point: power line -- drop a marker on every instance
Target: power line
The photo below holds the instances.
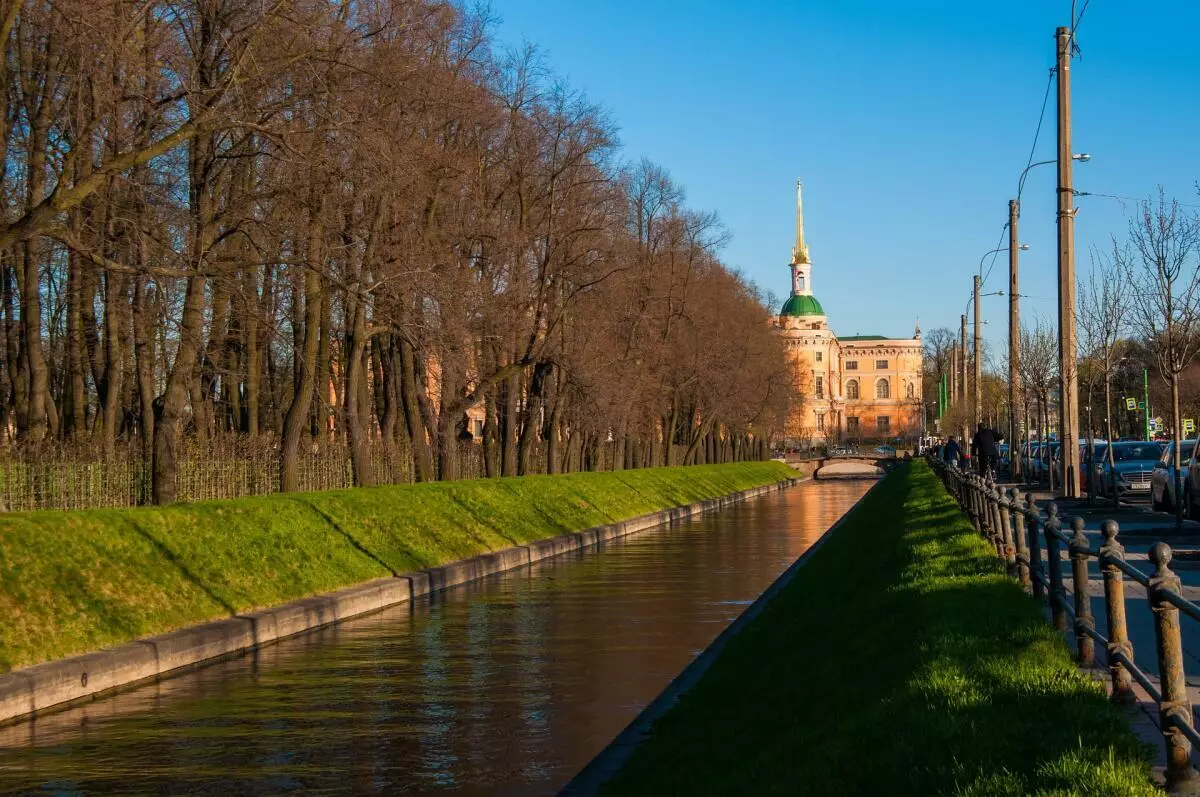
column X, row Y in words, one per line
column 1120, row 198
column 1037, row 133
column 1075, row 22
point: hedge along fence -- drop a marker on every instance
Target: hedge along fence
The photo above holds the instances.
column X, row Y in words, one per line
column 79, row 581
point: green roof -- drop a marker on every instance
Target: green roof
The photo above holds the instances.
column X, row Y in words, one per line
column 798, row 305
column 852, row 338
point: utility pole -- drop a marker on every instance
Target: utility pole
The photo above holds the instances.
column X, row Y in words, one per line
column 1069, row 381
column 962, row 363
column 952, row 382
column 1146, row 402
column 1014, row 345
column 977, row 403
column 962, row 375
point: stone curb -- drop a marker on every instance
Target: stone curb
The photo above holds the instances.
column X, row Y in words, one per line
column 58, row 684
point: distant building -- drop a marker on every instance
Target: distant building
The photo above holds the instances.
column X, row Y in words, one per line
column 859, row 387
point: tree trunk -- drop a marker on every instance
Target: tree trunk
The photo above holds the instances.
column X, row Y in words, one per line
column 409, row 390
column 354, row 349
column 508, row 425
column 143, row 357
column 174, row 401
column 115, row 296
column 296, row 418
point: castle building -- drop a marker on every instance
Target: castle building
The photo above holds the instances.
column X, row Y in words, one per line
column 864, row 387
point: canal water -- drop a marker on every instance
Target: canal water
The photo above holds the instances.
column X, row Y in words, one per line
column 506, row 686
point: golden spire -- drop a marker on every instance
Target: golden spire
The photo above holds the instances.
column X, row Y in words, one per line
column 800, row 250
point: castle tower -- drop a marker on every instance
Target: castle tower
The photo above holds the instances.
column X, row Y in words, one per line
column 801, row 303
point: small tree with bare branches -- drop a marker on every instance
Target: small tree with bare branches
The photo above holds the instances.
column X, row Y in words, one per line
column 1159, row 261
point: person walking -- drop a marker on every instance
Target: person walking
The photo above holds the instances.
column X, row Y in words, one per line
column 951, row 453
column 986, row 447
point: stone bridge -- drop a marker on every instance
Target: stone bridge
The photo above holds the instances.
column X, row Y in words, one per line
column 818, row 463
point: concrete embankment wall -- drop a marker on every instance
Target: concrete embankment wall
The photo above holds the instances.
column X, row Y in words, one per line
column 27, row 691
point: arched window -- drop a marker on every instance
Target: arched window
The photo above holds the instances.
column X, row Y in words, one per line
column 800, row 281
column 908, row 391
column 881, row 389
column 852, row 389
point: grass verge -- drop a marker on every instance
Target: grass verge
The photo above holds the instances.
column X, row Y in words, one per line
column 71, row 582
column 900, row 660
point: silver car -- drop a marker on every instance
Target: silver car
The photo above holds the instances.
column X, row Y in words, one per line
column 1162, row 481
column 1134, row 464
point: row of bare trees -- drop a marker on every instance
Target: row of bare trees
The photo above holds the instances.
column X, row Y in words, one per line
column 306, row 221
column 1138, row 308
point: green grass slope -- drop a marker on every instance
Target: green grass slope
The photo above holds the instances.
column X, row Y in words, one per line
column 902, row 661
column 71, row 582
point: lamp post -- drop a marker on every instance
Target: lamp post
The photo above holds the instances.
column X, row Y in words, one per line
column 1012, row 248
column 1069, row 390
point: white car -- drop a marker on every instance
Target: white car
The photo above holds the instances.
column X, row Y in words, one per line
column 1162, row 480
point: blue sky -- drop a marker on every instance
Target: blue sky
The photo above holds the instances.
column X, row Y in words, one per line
column 909, row 124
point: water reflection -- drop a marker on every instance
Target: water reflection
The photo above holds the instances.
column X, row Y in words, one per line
column 505, row 686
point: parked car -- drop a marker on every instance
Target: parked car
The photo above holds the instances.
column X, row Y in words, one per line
column 1028, row 455
column 885, row 451
column 1134, row 464
column 1089, row 459
column 1046, row 458
column 1191, row 483
column 1162, row 481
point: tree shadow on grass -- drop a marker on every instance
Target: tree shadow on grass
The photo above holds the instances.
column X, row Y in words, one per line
column 350, row 538
column 177, row 562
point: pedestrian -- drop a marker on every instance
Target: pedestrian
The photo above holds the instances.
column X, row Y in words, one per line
column 951, row 453
column 986, row 447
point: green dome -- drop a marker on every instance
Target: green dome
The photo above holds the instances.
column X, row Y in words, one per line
column 802, row 305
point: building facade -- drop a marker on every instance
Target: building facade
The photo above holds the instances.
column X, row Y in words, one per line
column 864, row 387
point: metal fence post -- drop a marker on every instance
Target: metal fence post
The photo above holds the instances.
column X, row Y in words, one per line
column 995, row 499
column 973, row 503
column 1058, row 595
column 1084, row 621
column 1034, row 542
column 1016, row 517
column 1114, row 604
column 1006, row 530
column 1175, row 706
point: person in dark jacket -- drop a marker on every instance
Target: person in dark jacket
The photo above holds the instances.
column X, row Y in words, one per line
column 951, row 453
column 985, row 447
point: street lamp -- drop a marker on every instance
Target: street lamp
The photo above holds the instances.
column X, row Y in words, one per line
column 978, row 396
column 1082, row 157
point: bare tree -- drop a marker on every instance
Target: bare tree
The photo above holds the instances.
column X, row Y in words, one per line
column 1160, row 264
column 1101, row 318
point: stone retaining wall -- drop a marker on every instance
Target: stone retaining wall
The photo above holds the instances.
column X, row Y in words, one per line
column 27, row 692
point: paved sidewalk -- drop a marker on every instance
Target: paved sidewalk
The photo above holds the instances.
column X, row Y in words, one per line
column 1140, row 528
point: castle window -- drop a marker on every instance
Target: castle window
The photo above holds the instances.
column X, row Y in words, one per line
column 908, row 391
column 800, row 282
column 881, row 365
column 820, row 356
column 882, row 390
column 821, row 422
column 883, row 424
column 852, row 424
column 820, row 387
column 852, row 389
column 852, row 365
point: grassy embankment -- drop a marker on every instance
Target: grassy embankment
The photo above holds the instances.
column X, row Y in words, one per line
column 902, row 661
column 71, row 582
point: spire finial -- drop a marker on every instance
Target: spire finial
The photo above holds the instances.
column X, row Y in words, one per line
column 800, row 250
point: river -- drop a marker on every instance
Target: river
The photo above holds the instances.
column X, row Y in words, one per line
column 506, row 686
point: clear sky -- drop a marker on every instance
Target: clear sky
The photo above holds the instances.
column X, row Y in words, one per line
column 909, row 124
